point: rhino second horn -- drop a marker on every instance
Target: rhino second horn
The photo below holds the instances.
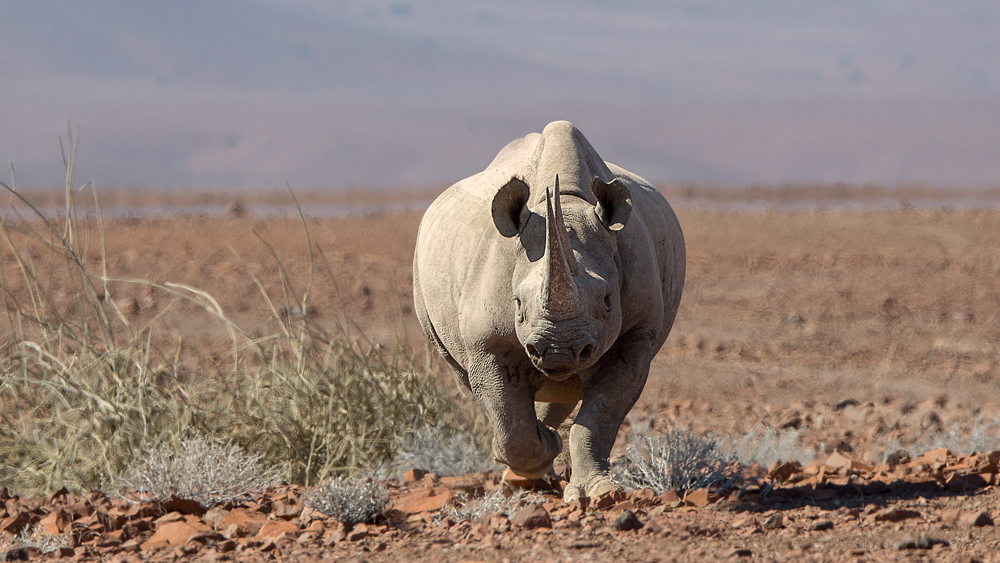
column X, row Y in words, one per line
column 559, row 289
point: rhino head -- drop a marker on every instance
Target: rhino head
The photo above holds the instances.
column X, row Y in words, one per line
column 566, row 277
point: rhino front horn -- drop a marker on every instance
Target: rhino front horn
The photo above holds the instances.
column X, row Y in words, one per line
column 559, row 289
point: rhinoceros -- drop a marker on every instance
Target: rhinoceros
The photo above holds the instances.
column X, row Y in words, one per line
column 550, row 278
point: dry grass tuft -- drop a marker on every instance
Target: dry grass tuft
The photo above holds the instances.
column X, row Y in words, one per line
column 84, row 392
column 442, row 449
column 675, row 459
column 465, row 507
column 351, row 501
column 199, row 470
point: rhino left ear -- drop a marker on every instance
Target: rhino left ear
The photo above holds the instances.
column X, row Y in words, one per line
column 614, row 203
column 509, row 206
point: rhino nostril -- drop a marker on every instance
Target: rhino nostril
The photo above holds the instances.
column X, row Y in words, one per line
column 587, row 351
column 532, row 351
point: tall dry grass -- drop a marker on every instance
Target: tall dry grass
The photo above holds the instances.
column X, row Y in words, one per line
column 84, row 393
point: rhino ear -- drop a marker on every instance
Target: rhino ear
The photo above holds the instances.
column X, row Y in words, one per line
column 509, row 206
column 614, row 203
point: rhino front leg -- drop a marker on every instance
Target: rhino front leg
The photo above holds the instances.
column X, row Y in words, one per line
column 607, row 398
column 520, row 440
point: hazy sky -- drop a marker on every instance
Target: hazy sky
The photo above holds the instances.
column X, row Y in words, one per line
column 394, row 93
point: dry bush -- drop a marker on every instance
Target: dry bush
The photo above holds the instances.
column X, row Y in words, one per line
column 351, row 501
column 33, row 539
column 465, row 507
column 441, row 449
column 980, row 435
column 675, row 459
column 83, row 391
column 200, row 470
column 765, row 446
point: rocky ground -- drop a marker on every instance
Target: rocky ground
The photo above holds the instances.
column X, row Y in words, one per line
column 862, row 334
column 938, row 507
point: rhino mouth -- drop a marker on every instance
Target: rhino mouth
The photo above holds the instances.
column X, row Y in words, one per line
column 560, row 362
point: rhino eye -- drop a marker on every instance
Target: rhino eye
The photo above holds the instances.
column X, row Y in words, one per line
column 520, row 313
column 607, row 302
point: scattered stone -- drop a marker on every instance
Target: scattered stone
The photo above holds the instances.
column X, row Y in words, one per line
column 274, row 528
column 782, row 472
column 821, row 525
column 414, row 475
column 698, row 498
column 896, row 515
column 975, row 519
column 423, row 500
column 532, row 517
column 844, row 403
column 774, row 522
column 184, row 506
column 175, row 534
column 740, row 552
column 358, row 533
column 627, row 521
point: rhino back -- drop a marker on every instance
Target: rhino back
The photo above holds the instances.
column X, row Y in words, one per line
column 653, row 257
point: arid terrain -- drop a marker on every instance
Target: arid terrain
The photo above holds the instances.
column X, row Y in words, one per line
column 867, row 332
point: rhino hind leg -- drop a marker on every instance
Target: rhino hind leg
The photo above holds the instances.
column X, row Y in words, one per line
column 553, row 414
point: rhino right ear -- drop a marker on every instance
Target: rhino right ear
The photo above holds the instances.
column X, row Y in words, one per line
column 509, row 206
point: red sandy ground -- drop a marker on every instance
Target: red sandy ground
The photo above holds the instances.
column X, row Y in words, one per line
column 866, row 331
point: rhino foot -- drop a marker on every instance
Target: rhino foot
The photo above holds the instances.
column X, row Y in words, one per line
column 599, row 487
column 572, row 494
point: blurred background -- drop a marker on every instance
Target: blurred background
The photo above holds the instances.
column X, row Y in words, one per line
column 402, row 94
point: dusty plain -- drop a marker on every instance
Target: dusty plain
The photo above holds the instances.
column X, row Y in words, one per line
column 867, row 330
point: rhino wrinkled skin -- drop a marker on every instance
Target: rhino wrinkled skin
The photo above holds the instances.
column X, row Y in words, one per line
column 550, row 278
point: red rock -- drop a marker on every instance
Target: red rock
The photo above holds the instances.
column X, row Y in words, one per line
column 699, row 498
column 782, row 472
column 975, row 519
column 287, row 509
column 274, row 528
column 142, row 511
column 470, row 484
column 423, row 500
column 184, row 506
column 642, row 497
column 358, row 533
column 54, row 523
column 497, row 522
column 14, row 524
column 896, row 515
column 961, row 483
column 669, row 498
column 175, row 534
column 247, row 522
column 627, row 521
column 169, row 517
column 839, row 462
column 335, row 535
column 414, row 475
column 774, row 522
column 532, row 517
